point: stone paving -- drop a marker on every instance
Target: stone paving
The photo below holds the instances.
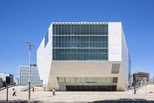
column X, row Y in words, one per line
column 40, row 95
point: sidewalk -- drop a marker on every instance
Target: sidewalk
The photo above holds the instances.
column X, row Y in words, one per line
column 40, row 95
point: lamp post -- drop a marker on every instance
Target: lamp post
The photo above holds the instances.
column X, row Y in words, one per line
column 29, row 81
column 145, row 84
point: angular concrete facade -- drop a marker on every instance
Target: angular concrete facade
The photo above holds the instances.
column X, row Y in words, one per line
column 66, row 66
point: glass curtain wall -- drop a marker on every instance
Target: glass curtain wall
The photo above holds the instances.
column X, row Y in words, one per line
column 80, row 41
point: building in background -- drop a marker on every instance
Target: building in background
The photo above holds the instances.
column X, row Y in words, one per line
column 4, row 75
column 24, row 75
column 84, row 56
column 140, row 78
column 151, row 80
column 16, row 81
column 11, row 79
column 131, row 80
column 1, row 83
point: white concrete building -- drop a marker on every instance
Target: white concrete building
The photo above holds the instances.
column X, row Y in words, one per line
column 84, row 56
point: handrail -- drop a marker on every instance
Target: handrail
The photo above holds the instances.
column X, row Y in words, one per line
column 32, row 86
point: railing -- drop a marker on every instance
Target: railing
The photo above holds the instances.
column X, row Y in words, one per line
column 8, row 87
column 32, row 86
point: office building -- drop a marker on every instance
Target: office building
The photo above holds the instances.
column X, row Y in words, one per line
column 24, row 75
column 84, row 56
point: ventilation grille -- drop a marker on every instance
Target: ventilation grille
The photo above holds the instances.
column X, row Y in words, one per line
column 115, row 79
column 115, row 68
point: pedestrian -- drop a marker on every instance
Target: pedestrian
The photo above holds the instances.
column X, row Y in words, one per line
column 14, row 92
column 134, row 90
column 33, row 90
column 53, row 92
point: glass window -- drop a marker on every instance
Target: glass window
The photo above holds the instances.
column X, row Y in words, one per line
column 61, row 79
column 83, row 79
column 91, row 80
column 72, row 79
column 77, row 80
column 54, row 29
column 103, row 79
column 46, row 39
column 98, row 80
column 92, row 46
column 109, row 80
column 67, row 79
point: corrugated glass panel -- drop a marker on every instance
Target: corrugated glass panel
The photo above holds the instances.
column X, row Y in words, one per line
column 61, row 79
column 83, row 79
column 109, row 80
column 67, row 80
column 91, row 80
column 77, row 80
column 98, row 79
column 103, row 79
column 74, row 37
column 72, row 79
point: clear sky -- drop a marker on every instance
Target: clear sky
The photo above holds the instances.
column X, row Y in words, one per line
column 28, row 20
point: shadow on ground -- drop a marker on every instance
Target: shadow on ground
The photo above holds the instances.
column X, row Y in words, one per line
column 122, row 100
column 20, row 101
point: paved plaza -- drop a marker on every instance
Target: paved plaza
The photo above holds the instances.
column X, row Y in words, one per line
column 40, row 95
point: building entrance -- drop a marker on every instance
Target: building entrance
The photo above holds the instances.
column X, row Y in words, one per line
column 90, row 88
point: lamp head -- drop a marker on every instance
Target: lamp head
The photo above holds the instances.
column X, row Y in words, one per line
column 30, row 44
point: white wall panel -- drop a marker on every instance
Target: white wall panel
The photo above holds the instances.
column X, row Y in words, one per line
column 44, row 57
column 114, row 32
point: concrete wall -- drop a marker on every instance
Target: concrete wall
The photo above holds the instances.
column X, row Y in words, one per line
column 114, row 41
column 83, row 69
column 118, row 50
column 125, row 60
column 44, row 58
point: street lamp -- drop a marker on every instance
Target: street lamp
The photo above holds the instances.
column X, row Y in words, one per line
column 145, row 84
column 30, row 47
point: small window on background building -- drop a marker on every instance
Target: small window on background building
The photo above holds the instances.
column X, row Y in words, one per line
column 46, row 39
column 115, row 68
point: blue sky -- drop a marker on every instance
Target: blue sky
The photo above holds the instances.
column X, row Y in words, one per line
column 28, row 20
